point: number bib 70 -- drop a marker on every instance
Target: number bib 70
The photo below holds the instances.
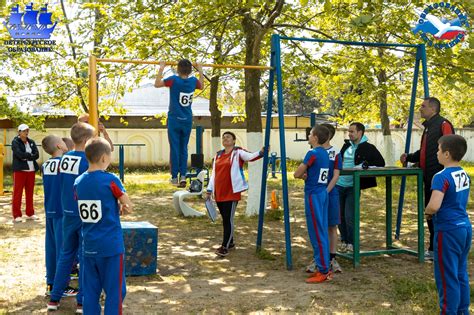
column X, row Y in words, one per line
column 90, row 211
column 50, row 167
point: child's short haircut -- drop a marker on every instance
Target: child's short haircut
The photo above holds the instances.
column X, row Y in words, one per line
column 456, row 145
column 50, row 144
column 331, row 128
column 185, row 67
column 321, row 132
column 81, row 132
column 69, row 143
column 83, row 118
column 95, row 148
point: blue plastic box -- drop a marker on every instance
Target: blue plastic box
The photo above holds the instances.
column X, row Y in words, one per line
column 141, row 248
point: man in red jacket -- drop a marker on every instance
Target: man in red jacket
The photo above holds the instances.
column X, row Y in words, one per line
column 436, row 126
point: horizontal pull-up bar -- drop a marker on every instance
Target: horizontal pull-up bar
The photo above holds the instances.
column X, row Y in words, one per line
column 172, row 63
column 343, row 42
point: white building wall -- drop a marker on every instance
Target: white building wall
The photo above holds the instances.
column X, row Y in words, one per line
column 156, row 149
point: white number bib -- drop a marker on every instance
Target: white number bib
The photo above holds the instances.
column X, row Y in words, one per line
column 323, row 176
column 50, row 167
column 70, row 164
column 185, row 99
column 90, row 211
column 461, row 180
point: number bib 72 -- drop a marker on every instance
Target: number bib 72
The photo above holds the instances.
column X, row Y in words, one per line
column 90, row 211
column 70, row 164
column 185, row 99
column 461, row 180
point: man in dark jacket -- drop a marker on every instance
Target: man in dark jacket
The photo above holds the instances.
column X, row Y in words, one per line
column 25, row 154
column 356, row 152
column 435, row 127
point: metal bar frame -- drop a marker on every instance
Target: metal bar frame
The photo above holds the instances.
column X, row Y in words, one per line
column 275, row 70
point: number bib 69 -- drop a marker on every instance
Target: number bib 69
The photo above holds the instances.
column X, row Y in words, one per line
column 90, row 211
column 185, row 99
column 323, row 176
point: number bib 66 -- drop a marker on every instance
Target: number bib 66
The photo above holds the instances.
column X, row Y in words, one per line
column 90, row 211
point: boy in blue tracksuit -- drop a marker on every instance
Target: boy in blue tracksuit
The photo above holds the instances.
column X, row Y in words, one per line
column 315, row 171
column 73, row 164
column 98, row 196
column 180, row 115
column 453, row 230
column 54, row 146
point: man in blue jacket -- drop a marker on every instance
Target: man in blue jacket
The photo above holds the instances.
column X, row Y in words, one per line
column 356, row 152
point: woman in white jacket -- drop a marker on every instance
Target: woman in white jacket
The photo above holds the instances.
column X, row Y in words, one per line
column 226, row 184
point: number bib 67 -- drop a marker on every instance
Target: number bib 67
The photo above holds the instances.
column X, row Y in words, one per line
column 70, row 164
column 90, row 211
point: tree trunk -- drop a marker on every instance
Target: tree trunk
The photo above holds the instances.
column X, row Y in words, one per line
column 216, row 114
column 383, row 105
column 253, row 38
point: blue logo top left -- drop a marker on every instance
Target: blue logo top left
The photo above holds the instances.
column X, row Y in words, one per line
column 31, row 24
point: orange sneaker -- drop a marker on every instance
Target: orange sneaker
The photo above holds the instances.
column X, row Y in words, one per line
column 319, row 277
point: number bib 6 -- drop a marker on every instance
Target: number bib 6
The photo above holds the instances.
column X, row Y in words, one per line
column 90, row 211
column 70, row 164
column 185, row 99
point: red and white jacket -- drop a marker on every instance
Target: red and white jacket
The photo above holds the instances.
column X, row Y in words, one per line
column 239, row 157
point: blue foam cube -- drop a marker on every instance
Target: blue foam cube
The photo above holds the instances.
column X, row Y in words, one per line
column 141, row 248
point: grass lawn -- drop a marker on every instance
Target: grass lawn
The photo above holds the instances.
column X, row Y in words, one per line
column 191, row 279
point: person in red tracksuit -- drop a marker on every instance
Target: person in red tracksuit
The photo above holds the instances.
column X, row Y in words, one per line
column 226, row 184
column 25, row 154
column 436, row 126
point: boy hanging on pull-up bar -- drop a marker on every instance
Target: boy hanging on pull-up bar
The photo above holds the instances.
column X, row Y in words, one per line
column 180, row 115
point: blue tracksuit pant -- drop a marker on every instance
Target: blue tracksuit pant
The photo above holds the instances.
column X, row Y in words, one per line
column 316, row 212
column 107, row 273
column 72, row 245
column 451, row 249
column 53, row 244
column 179, row 132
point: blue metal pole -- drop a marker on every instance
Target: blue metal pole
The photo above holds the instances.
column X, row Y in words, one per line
column 342, row 42
column 408, row 140
column 284, row 175
column 424, row 68
column 261, row 212
column 121, row 163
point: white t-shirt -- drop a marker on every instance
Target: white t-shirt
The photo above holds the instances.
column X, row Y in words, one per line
column 31, row 166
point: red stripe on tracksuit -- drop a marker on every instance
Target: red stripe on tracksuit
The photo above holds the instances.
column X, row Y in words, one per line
column 313, row 216
column 441, row 269
column 120, row 284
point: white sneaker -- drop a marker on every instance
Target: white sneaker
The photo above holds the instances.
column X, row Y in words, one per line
column 335, row 267
column 17, row 220
column 311, row 268
column 342, row 248
column 32, row 217
column 429, row 255
column 350, row 247
column 174, row 181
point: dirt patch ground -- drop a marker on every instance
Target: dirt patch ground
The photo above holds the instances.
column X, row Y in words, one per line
column 191, row 279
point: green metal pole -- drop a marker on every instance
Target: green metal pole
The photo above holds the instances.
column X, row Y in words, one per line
column 421, row 231
column 356, row 253
column 388, row 215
